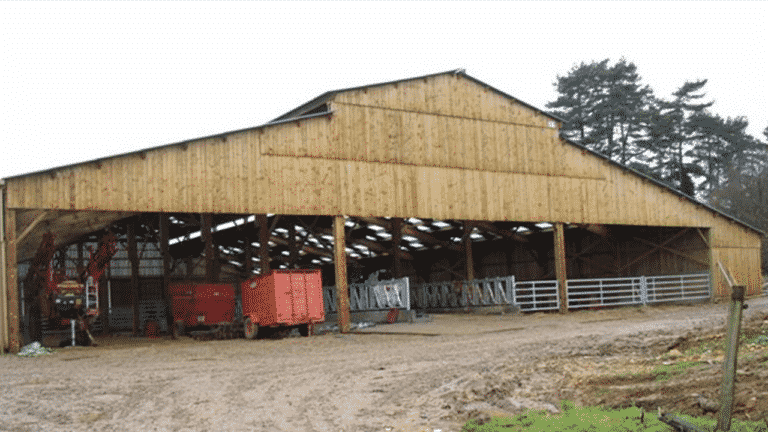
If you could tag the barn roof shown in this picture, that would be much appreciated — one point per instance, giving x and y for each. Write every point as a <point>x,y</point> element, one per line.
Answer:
<point>318,107</point>
<point>316,104</point>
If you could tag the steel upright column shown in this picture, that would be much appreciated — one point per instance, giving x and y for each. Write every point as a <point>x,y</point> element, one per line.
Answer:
<point>340,261</point>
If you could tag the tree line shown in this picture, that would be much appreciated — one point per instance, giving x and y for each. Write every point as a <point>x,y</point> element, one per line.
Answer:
<point>679,140</point>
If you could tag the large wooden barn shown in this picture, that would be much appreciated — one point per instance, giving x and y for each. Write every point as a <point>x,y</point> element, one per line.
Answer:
<point>434,178</point>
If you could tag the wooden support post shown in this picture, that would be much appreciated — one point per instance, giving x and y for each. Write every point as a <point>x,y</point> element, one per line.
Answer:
<point>248,251</point>
<point>340,261</point>
<point>207,222</point>
<point>263,243</point>
<point>80,265</point>
<point>292,246</point>
<point>107,298</point>
<point>560,265</point>
<point>397,253</point>
<point>133,258</point>
<point>166,257</point>
<point>11,284</point>
<point>468,261</point>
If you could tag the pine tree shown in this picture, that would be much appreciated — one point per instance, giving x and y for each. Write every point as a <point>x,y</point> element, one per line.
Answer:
<point>605,107</point>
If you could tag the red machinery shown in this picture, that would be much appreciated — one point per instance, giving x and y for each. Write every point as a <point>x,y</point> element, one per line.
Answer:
<point>68,301</point>
<point>283,298</point>
<point>197,305</point>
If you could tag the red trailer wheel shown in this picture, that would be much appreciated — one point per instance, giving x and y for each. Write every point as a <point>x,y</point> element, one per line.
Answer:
<point>251,328</point>
<point>178,329</point>
<point>304,330</point>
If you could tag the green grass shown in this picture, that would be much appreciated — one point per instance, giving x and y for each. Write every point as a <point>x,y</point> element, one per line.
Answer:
<point>667,372</point>
<point>588,419</point>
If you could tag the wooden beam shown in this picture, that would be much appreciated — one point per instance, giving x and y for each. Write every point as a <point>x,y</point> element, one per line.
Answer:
<point>491,228</point>
<point>560,265</point>
<point>133,258</point>
<point>372,245</point>
<point>306,248</point>
<point>410,230</point>
<point>340,264</point>
<point>673,251</point>
<point>36,221</point>
<point>397,253</point>
<point>264,231</point>
<point>598,229</point>
<point>11,283</point>
<point>664,243</point>
<point>703,237</point>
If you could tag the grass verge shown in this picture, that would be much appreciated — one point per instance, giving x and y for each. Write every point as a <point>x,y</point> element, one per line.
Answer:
<point>594,419</point>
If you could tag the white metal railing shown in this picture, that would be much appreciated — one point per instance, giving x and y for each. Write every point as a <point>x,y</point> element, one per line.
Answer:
<point>586,293</point>
<point>532,296</point>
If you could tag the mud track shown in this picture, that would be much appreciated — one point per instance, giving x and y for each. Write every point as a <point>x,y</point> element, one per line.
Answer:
<point>400,377</point>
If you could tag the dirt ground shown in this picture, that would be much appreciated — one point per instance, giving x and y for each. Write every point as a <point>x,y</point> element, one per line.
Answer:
<point>423,376</point>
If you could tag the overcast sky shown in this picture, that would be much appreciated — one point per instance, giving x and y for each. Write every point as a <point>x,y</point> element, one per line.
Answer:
<point>86,80</point>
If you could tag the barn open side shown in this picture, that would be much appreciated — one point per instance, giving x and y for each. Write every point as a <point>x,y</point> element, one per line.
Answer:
<point>464,180</point>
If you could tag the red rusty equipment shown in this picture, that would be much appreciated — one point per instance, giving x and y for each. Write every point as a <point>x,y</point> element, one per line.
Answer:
<point>283,298</point>
<point>195,304</point>
<point>62,300</point>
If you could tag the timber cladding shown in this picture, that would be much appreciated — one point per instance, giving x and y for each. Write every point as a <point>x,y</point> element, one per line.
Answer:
<point>442,147</point>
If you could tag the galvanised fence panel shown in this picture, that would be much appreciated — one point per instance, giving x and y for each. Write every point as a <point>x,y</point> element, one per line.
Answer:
<point>688,287</point>
<point>460,294</point>
<point>372,296</point>
<point>528,296</point>
<point>587,293</point>
<point>533,296</point>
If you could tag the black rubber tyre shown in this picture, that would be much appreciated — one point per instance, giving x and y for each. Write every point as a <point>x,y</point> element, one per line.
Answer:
<point>304,330</point>
<point>250,328</point>
<point>178,329</point>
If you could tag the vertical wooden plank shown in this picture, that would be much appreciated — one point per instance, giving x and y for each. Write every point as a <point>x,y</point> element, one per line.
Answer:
<point>13,323</point>
<point>133,257</point>
<point>560,265</point>
<point>340,264</point>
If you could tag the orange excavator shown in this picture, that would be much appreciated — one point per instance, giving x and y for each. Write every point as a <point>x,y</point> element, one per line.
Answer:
<point>62,300</point>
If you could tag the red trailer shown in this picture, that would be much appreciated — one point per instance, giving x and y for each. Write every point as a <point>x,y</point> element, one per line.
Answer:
<point>202,305</point>
<point>283,298</point>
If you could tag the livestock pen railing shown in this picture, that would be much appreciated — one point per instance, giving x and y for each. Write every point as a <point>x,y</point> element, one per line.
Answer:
<point>528,296</point>
<point>372,296</point>
<point>586,293</point>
